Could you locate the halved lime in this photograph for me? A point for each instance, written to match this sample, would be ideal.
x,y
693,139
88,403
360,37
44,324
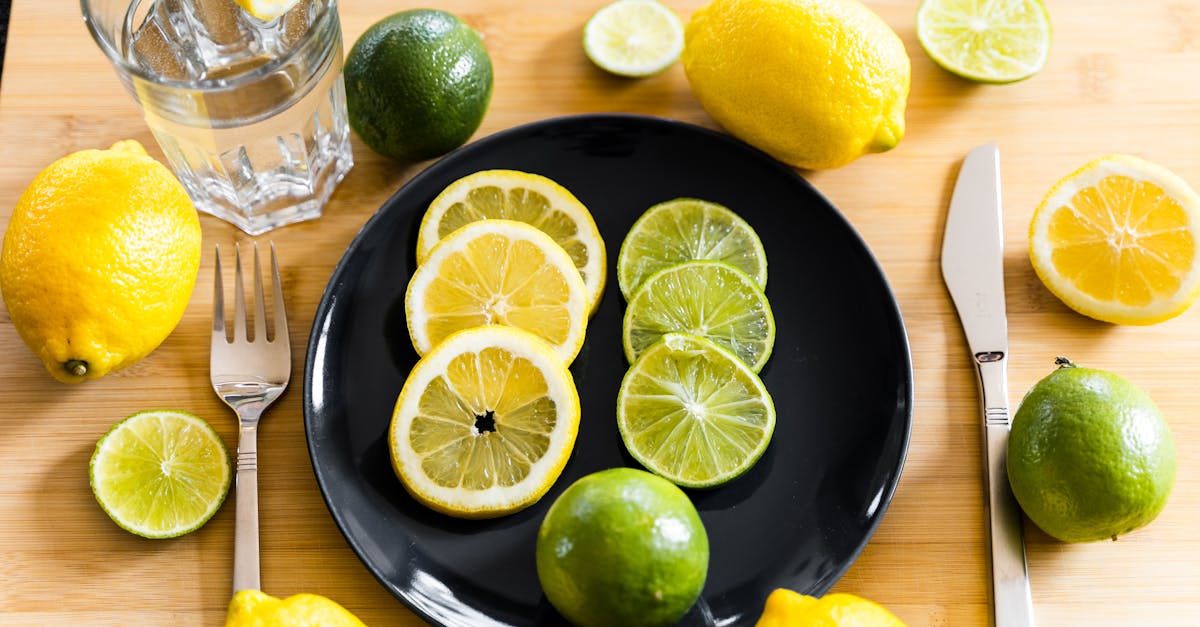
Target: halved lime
x,y
692,412
160,474
686,229
710,299
633,37
1000,41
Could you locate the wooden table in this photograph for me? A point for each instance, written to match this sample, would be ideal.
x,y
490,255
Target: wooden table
x,y
1121,78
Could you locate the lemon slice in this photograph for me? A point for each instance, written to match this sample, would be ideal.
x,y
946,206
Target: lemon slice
x,y
267,10
693,413
1117,240
485,423
999,41
633,38
524,197
160,474
706,298
498,272
686,229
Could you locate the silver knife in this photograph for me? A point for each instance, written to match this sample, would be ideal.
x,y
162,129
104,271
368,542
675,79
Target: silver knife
x,y
973,268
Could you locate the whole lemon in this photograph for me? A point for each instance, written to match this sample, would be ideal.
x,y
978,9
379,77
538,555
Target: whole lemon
x,y
814,83
251,608
788,608
1089,457
99,260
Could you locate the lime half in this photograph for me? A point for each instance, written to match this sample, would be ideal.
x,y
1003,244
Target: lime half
x,y
160,474
999,41
706,298
692,412
686,229
633,38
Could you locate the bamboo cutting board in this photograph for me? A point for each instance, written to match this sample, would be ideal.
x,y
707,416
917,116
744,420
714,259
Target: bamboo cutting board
x,y
1121,78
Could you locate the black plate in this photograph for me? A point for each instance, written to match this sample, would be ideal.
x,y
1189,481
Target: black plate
x,y
840,376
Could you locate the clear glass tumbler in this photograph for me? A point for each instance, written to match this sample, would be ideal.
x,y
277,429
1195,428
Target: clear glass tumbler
x,y
251,114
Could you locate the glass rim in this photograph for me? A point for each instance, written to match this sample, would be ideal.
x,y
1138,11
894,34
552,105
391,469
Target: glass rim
x,y
100,36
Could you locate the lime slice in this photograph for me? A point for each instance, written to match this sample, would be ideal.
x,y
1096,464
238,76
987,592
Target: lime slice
x,y
160,474
266,10
706,298
692,412
633,38
686,229
1000,41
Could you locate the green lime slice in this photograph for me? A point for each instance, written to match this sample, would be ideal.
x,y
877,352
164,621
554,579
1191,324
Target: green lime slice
x,y
1000,41
686,229
692,412
633,38
710,299
160,474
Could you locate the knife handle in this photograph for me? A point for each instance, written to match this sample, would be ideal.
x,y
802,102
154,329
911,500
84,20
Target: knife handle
x,y
1011,598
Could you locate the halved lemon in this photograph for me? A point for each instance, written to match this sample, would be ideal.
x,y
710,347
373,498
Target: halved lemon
x,y
485,423
524,197
498,272
1117,240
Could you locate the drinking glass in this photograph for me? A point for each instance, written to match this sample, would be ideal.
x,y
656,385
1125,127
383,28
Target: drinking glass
x,y
250,114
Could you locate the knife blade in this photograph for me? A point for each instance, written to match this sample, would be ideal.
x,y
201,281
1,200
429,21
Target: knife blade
x,y
973,269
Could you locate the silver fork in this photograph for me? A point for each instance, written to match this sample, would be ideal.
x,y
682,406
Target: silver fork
x,y
248,374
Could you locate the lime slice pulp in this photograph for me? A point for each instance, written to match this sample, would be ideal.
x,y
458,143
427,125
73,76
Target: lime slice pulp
x,y
633,38
1000,41
160,474
693,413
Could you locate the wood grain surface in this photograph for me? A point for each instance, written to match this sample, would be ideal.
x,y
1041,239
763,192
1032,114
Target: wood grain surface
x,y
1121,78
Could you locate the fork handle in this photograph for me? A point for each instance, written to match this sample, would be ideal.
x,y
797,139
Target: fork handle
x,y
245,534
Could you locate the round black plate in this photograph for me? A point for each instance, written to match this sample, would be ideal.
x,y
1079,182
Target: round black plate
x,y
840,375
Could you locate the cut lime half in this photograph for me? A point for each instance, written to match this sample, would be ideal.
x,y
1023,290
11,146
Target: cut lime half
x,y
710,299
633,38
999,41
160,474
687,229
693,413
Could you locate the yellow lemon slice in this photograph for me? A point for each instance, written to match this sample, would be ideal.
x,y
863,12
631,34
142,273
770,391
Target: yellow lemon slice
x,y
484,423
524,197
266,10
1117,241
498,272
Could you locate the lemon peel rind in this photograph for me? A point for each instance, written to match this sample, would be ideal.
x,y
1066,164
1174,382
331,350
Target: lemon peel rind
x,y
1040,251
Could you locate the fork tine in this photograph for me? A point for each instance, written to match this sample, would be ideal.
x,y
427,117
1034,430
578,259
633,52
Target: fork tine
x,y
218,316
260,311
281,326
239,298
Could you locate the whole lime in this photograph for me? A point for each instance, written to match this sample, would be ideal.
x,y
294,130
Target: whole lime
x,y
1090,457
622,547
417,84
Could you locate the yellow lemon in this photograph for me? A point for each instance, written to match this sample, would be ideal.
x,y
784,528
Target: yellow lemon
x,y
99,260
251,608
814,83
1117,240
787,608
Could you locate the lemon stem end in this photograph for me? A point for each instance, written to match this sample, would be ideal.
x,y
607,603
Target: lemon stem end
x,y
76,367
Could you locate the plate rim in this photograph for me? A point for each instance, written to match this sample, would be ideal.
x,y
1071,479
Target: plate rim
x,y
431,170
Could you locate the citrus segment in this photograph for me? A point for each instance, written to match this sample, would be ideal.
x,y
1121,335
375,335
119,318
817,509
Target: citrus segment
x,y
633,38
266,10
706,298
1000,41
484,423
498,272
524,197
1117,241
693,413
686,229
160,474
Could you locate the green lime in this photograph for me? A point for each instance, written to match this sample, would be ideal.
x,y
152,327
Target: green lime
x,y
1000,41
692,412
622,547
160,474
686,229
417,84
710,299
1090,456
633,38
